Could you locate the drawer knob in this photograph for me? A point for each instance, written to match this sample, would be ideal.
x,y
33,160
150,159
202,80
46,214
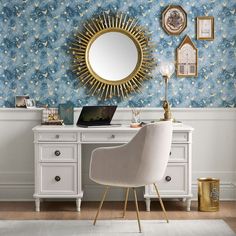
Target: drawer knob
x,y
57,178
57,136
168,178
57,153
170,154
113,136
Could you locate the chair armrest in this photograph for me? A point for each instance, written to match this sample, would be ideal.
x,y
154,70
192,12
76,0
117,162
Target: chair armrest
x,y
107,162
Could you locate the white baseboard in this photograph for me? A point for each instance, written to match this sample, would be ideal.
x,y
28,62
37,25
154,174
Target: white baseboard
x,y
16,192
24,192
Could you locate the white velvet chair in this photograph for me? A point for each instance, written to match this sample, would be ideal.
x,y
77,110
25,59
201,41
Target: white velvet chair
x,y
141,161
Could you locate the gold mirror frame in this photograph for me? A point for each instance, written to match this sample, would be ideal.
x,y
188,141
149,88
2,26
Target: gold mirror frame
x,y
112,23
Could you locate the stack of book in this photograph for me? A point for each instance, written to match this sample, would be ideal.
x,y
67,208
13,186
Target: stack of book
x,y
53,122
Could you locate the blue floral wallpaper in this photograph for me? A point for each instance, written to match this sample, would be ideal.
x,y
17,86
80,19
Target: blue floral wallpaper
x,y
34,58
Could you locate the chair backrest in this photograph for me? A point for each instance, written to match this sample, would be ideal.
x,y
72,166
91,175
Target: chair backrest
x,y
150,149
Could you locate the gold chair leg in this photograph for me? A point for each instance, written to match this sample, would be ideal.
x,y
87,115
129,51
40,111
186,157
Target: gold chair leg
x,y
137,210
100,206
162,205
126,199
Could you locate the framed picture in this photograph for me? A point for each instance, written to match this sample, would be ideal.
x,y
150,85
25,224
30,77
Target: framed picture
x,y
205,28
30,103
20,101
174,20
187,59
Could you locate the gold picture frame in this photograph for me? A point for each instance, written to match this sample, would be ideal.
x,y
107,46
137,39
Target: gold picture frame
x,y
205,28
174,20
98,26
187,59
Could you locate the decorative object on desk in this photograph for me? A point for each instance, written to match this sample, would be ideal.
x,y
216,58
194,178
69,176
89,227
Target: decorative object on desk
x,y
186,57
113,55
20,101
174,20
135,125
30,103
205,28
50,117
66,113
166,69
136,115
135,121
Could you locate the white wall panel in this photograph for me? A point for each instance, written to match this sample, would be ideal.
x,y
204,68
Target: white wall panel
x,y
214,149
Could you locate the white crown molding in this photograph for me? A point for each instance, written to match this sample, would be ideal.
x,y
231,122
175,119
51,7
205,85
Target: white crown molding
x,y
20,114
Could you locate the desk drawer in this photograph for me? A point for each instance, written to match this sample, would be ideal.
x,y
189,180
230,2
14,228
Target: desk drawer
x,y
99,137
58,152
180,137
174,181
179,153
58,178
57,136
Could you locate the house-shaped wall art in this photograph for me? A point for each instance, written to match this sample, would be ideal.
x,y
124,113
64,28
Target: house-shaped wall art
x,y
186,58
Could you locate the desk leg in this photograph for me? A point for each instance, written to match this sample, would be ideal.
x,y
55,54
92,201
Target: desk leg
x,y
78,204
188,204
37,204
148,203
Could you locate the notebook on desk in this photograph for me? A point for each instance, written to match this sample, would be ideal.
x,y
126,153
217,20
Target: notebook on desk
x,y
96,116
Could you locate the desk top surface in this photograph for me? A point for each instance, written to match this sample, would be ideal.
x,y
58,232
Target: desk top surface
x,y
176,127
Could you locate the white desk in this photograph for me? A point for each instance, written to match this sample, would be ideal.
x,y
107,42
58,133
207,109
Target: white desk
x,y
58,161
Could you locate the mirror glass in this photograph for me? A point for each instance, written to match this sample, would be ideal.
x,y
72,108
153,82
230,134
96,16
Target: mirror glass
x,y
113,56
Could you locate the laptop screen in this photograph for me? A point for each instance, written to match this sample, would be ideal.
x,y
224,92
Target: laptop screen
x,y
96,115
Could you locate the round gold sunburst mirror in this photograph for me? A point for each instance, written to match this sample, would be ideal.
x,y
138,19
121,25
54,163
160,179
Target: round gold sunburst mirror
x,y
113,55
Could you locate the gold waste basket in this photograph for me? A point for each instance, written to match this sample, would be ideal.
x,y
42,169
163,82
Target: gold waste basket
x,y
208,194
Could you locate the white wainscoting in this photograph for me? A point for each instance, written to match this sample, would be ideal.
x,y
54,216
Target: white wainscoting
x,y
214,149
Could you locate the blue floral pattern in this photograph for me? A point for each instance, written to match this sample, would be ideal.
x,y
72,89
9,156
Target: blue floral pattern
x,y
34,58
